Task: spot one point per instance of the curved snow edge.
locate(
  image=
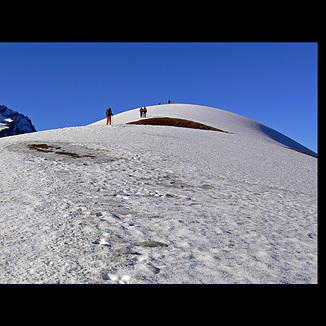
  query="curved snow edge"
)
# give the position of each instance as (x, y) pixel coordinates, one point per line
(217, 118)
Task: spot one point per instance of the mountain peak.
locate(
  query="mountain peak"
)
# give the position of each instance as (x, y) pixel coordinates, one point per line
(14, 123)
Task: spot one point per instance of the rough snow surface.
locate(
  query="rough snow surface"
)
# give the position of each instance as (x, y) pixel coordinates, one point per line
(157, 204)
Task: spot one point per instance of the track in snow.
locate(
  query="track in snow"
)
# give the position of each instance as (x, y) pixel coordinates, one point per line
(147, 204)
(146, 218)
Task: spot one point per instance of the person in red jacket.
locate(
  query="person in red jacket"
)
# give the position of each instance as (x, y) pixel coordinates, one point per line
(108, 115)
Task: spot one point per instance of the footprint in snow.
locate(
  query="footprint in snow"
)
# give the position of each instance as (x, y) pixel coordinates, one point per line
(124, 279)
(150, 244)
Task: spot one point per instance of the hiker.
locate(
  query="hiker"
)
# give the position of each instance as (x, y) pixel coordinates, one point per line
(108, 116)
(169, 102)
(144, 112)
(141, 112)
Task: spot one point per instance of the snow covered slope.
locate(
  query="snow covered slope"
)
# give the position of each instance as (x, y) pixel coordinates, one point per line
(157, 204)
(217, 118)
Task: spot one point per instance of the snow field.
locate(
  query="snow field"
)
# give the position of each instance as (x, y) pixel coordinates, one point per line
(155, 204)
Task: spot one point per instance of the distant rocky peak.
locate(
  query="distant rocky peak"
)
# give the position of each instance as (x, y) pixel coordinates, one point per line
(14, 123)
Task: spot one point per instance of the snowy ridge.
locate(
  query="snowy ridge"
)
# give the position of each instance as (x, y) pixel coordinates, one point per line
(156, 204)
(214, 117)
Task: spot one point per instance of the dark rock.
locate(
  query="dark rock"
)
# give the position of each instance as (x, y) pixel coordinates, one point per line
(150, 244)
(14, 123)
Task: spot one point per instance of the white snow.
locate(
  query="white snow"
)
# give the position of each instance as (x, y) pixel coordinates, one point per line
(3, 124)
(214, 117)
(158, 204)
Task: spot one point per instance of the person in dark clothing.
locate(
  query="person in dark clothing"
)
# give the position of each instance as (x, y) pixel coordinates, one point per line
(108, 115)
(144, 112)
(141, 110)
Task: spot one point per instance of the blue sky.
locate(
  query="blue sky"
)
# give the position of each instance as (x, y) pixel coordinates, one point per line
(72, 84)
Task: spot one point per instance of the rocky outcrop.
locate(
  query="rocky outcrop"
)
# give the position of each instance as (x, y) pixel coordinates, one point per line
(14, 123)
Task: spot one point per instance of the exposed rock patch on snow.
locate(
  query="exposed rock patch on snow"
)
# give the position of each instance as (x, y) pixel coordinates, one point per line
(64, 152)
(174, 122)
(144, 204)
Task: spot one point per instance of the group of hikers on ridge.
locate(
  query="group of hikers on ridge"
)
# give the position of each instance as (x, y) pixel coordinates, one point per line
(109, 114)
(142, 111)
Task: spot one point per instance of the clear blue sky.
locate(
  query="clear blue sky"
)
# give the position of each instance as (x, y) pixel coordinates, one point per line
(72, 84)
